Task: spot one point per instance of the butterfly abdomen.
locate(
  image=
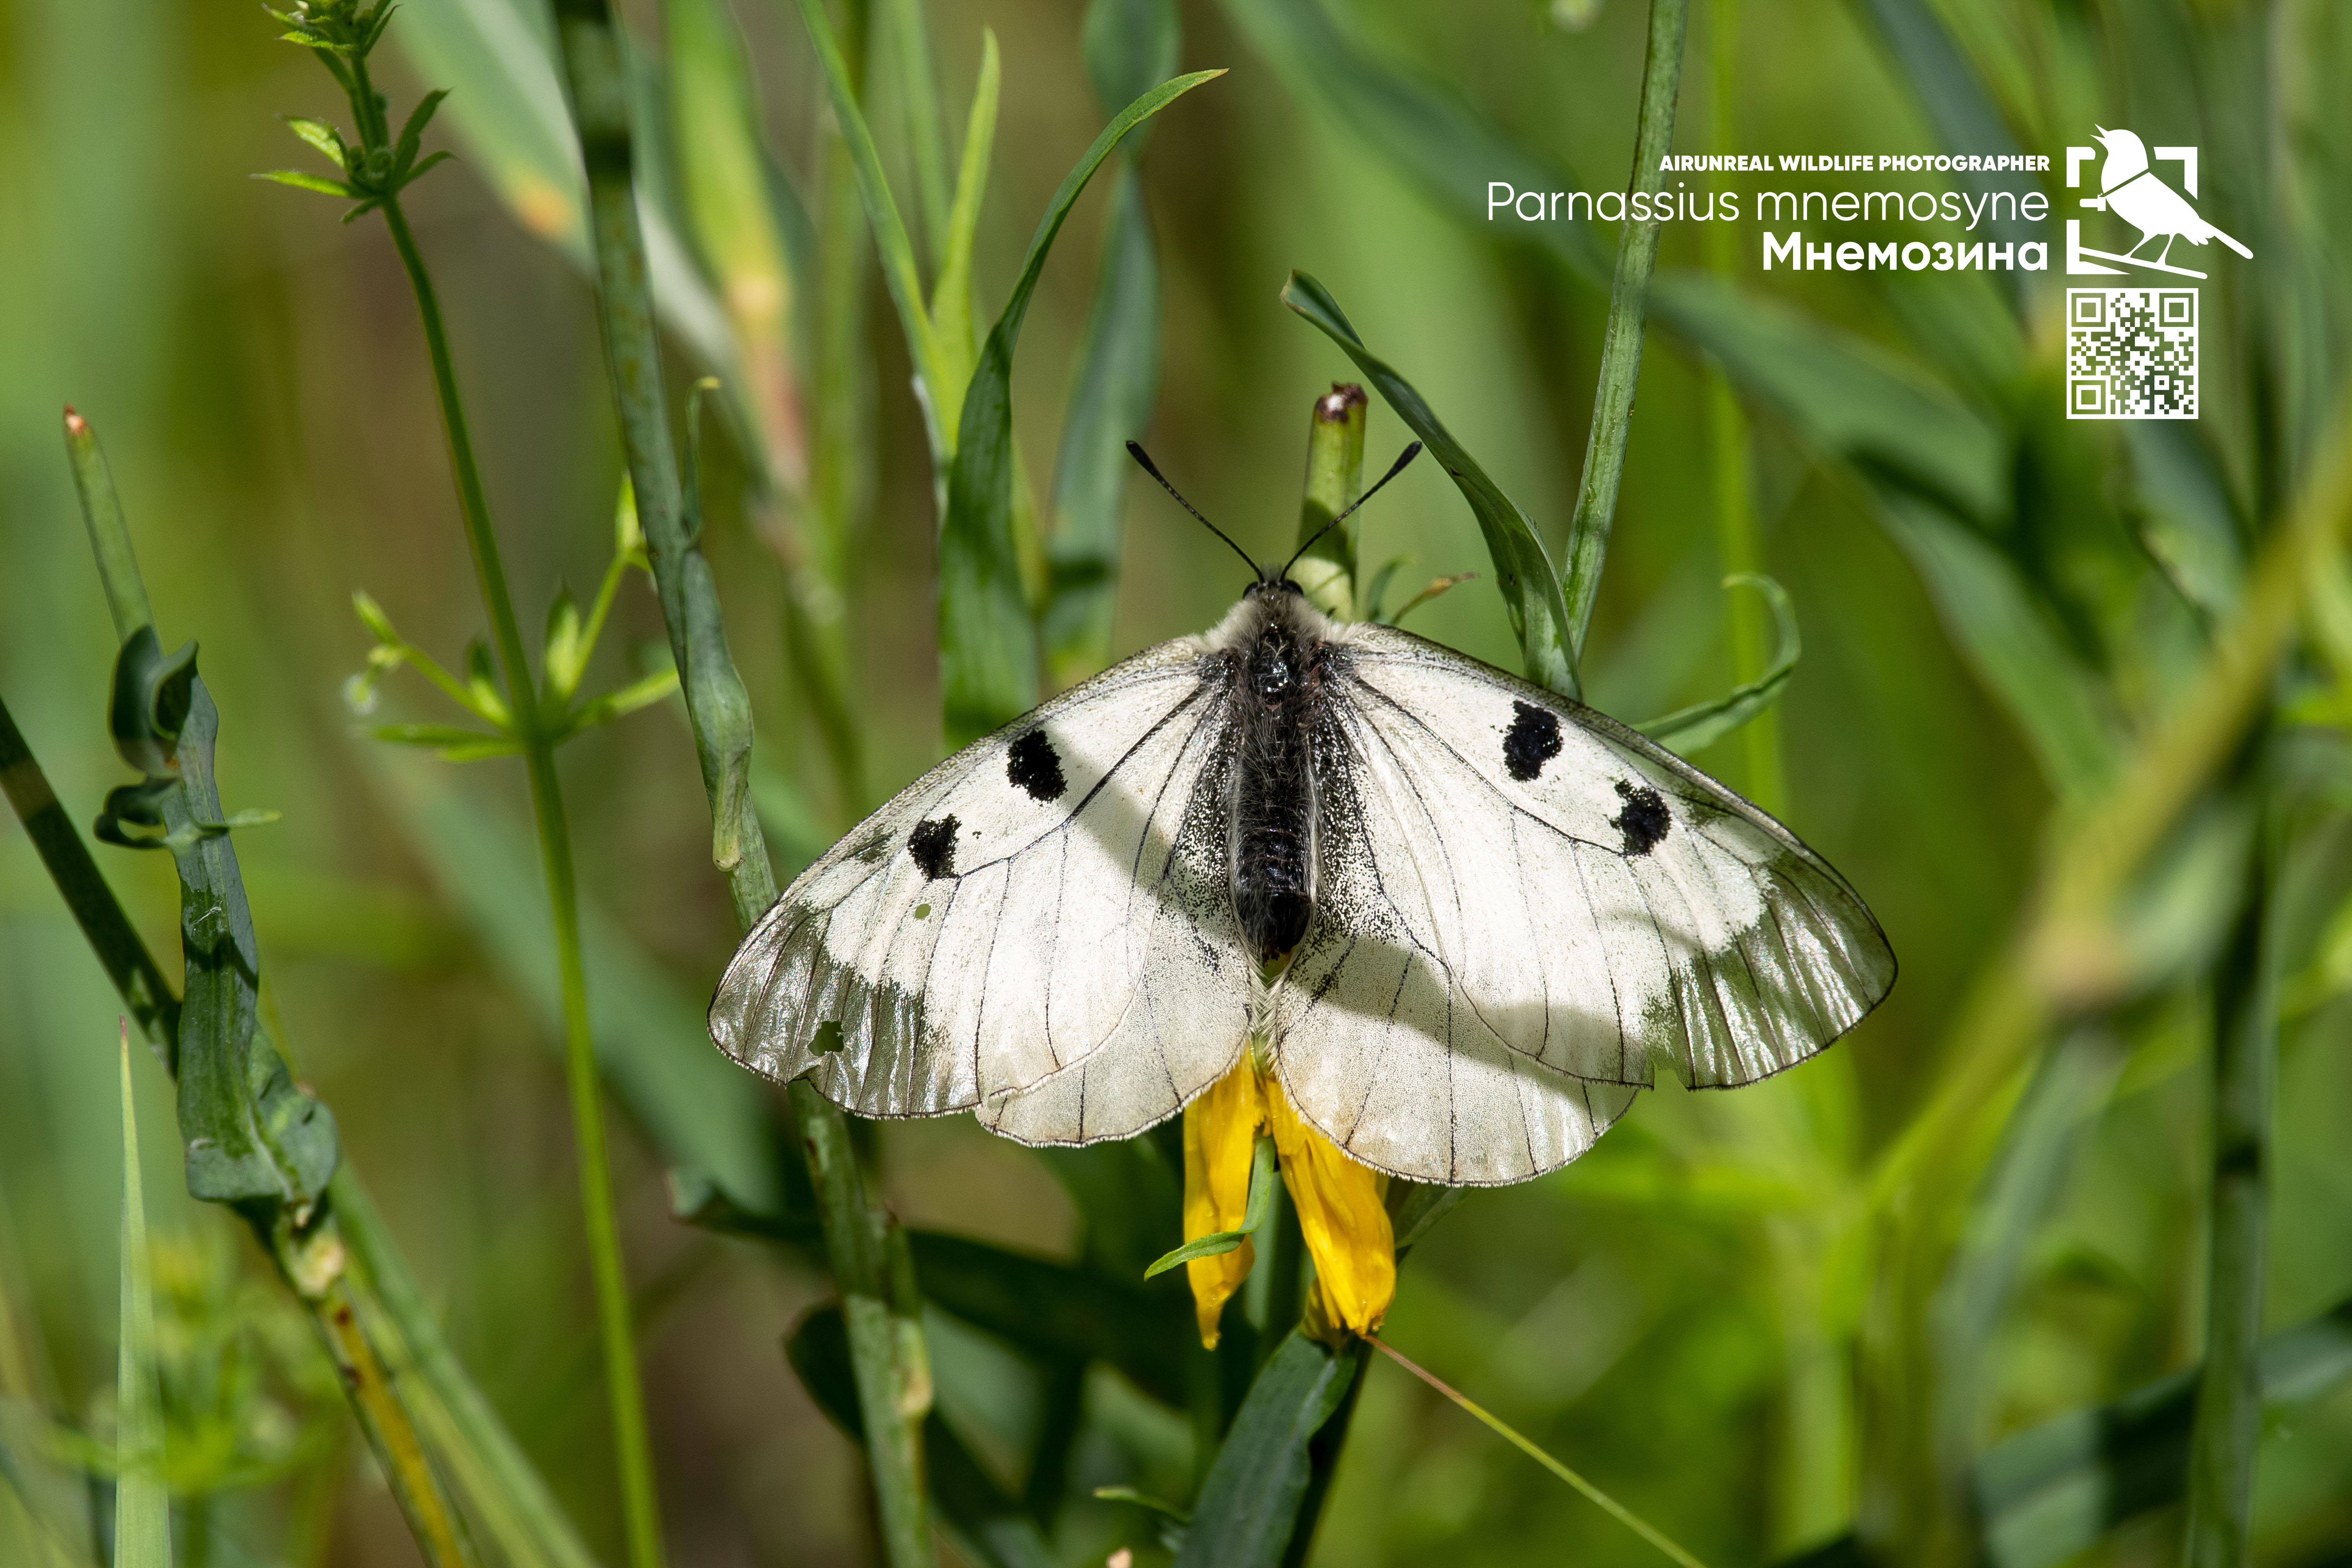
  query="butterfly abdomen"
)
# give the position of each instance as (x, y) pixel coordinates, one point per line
(1278, 680)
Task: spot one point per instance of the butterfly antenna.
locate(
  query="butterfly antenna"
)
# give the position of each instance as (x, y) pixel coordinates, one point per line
(1135, 449)
(1407, 455)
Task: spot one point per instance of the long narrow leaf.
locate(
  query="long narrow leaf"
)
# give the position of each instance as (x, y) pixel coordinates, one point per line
(142, 1519)
(1249, 1504)
(988, 641)
(1110, 404)
(952, 300)
(1530, 587)
(896, 251)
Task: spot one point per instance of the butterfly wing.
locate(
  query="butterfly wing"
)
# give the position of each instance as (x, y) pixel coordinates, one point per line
(1550, 896)
(1034, 899)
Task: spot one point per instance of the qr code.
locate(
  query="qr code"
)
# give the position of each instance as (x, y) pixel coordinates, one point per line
(2131, 354)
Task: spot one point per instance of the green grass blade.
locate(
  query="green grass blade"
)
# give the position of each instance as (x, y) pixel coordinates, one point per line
(507, 1493)
(730, 205)
(1621, 337)
(952, 300)
(1110, 402)
(897, 252)
(988, 641)
(1530, 588)
(143, 1509)
(906, 30)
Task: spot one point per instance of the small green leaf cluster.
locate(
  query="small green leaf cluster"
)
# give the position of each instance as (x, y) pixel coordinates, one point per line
(571, 640)
(342, 33)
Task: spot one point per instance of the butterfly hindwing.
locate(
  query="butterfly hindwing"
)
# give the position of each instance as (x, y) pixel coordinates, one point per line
(1006, 916)
(1595, 900)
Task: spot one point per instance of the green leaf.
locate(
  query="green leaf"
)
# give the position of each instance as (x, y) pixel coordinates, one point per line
(1530, 588)
(1110, 402)
(988, 643)
(450, 743)
(325, 138)
(951, 300)
(143, 1518)
(252, 1136)
(563, 655)
(988, 1526)
(640, 693)
(302, 182)
(1217, 1242)
(1249, 1503)
(1688, 730)
(403, 154)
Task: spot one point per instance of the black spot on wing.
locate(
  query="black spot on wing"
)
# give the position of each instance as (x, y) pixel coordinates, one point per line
(932, 844)
(1033, 765)
(1532, 740)
(1645, 819)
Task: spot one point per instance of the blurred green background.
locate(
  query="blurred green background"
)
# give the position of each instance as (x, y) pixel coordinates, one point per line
(1687, 1314)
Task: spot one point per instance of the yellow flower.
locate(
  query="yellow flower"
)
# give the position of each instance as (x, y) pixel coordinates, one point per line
(1341, 1206)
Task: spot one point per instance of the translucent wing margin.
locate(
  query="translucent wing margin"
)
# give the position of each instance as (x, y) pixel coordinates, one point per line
(1546, 891)
(1035, 900)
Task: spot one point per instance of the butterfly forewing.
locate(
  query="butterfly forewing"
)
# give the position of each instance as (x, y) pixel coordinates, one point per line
(1596, 900)
(997, 921)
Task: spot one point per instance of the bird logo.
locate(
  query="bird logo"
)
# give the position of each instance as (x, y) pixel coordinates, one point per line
(2131, 189)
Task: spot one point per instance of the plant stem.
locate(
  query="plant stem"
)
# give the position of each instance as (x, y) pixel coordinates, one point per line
(1621, 341)
(633, 1452)
(892, 1377)
(2229, 1394)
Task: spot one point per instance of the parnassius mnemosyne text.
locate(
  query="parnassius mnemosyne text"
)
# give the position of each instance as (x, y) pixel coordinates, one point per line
(1461, 914)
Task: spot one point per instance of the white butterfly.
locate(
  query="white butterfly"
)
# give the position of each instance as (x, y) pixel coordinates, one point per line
(1463, 914)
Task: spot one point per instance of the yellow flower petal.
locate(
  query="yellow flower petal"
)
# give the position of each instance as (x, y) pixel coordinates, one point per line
(1221, 1131)
(1343, 1213)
